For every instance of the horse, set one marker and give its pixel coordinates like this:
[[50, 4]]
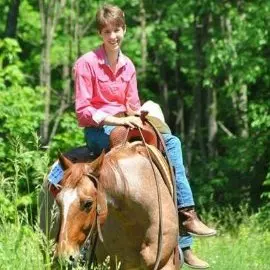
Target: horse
[[122, 194]]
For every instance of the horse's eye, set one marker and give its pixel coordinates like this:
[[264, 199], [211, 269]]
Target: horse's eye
[[87, 204]]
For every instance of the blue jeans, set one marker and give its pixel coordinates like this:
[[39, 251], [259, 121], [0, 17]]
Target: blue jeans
[[97, 139]]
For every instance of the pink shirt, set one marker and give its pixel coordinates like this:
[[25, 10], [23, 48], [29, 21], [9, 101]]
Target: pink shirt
[[99, 92]]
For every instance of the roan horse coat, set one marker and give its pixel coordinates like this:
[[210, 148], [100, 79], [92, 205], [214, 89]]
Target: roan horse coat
[[132, 226]]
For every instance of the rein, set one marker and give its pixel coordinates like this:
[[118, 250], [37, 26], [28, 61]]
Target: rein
[[160, 240], [95, 230], [160, 232], [177, 254]]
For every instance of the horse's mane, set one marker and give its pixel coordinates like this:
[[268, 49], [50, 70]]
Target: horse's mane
[[108, 171], [111, 166]]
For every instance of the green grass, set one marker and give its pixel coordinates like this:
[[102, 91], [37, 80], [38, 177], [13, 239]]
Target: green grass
[[249, 249], [19, 248]]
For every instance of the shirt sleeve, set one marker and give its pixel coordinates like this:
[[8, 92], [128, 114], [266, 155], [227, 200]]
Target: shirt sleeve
[[132, 96], [83, 94], [87, 114]]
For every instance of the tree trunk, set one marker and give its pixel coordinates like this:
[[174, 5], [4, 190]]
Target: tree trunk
[[212, 121], [198, 109], [243, 109], [163, 88], [211, 116], [66, 79], [239, 96], [12, 19], [179, 121], [142, 69], [76, 28], [49, 12], [165, 96]]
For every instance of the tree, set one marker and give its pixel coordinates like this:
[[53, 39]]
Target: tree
[[12, 18], [50, 12]]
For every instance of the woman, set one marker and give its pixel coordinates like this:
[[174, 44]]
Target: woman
[[106, 90]]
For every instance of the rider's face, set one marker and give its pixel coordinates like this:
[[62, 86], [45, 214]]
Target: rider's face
[[112, 37]]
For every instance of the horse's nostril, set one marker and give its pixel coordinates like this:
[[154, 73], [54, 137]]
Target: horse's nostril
[[71, 258], [71, 263]]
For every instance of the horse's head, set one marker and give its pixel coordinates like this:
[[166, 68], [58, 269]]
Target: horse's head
[[80, 197]]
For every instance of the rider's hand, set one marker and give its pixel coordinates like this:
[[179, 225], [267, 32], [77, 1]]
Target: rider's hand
[[132, 121]]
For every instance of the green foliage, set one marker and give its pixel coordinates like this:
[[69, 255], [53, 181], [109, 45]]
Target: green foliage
[[29, 24], [10, 65], [241, 242], [21, 110], [69, 135], [19, 248], [22, 174]]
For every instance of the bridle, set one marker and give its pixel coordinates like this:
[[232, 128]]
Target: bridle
[[100, 213]]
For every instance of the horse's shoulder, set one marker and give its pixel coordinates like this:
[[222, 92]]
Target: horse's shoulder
[[158, 159]]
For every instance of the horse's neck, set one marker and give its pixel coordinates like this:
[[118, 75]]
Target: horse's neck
[[131, 228], [127, 183]]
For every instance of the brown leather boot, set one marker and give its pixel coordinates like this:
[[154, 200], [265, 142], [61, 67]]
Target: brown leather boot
[[189, 223], [191, 260]]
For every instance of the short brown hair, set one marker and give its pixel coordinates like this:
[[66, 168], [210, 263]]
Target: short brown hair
[[109, 14]]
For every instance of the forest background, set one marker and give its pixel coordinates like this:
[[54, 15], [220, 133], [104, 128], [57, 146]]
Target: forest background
[[206, 62]]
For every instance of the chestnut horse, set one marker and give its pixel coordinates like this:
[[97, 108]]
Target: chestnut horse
[[122, 187]]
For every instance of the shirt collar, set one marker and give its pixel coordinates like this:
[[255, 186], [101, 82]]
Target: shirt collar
[[103, 60]]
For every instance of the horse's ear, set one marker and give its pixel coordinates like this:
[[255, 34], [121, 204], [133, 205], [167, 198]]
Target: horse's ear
[[65, 162], [97, 163]]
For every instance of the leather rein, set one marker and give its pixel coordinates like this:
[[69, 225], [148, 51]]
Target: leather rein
[[160, 234], [100, 217], [160, 231]]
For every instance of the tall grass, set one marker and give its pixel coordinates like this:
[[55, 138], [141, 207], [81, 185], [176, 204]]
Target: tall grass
[[19, 247], [21, 244], [242, 242], [248, 249]]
